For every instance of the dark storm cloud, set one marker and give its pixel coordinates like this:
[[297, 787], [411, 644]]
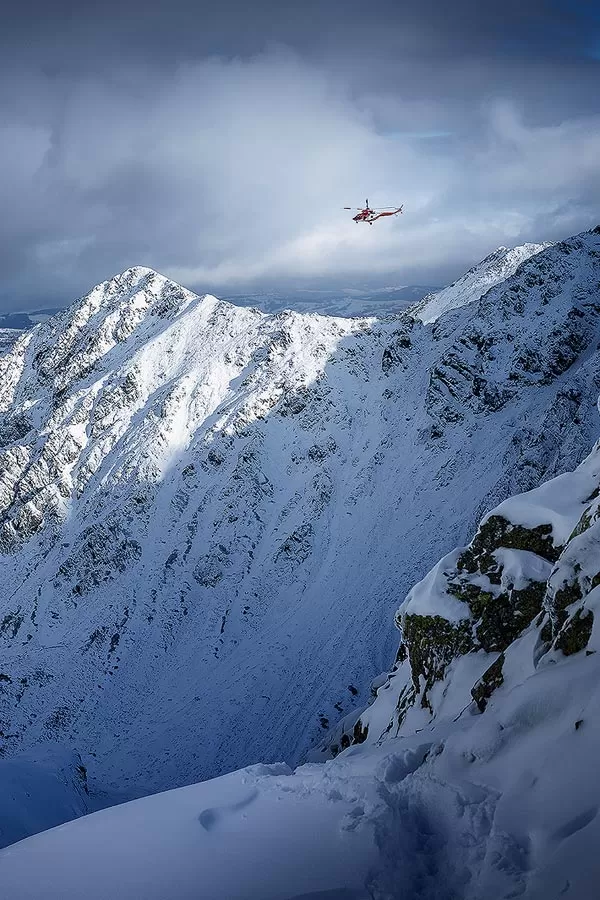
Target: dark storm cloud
[[217, 143], [167, 30]]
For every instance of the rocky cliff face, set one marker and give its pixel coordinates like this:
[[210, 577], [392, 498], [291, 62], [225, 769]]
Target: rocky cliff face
[[208, 514], [527, 577]]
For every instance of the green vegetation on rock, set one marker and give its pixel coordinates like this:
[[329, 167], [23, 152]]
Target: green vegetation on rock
[[432, 643], [575, 635], [498, 532]]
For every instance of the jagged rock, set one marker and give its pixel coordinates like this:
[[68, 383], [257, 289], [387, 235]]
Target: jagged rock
[[491, 679], [496, 532], [576, 633], [431, 644], [528, 578]]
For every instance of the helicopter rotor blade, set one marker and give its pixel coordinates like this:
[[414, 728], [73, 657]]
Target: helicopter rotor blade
[[374, 208]]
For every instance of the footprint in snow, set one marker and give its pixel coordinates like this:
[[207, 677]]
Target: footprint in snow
[[214, 817], [575, 824]]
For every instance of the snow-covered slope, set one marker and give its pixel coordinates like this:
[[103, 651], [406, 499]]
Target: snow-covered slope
[[473, 774], [498, 672], [495, 268], [39, 790], [210, 514]]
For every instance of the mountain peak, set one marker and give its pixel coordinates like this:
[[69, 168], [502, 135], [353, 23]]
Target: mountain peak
[[138, 272], [218, 510], [132, 277], [492, 269]]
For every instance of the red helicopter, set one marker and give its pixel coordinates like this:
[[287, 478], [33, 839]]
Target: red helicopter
[[371, 215]]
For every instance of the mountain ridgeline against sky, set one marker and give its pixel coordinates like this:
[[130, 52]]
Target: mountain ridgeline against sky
[[236, 520], [495, 268], [209, 514]]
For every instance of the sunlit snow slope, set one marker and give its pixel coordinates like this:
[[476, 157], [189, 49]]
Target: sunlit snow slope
[[210, 514], [492, 270]]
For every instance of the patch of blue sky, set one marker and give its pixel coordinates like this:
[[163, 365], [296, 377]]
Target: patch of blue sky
[[575, 33], [585, 20]]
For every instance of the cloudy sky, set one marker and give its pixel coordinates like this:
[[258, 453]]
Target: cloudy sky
[[217, 142]]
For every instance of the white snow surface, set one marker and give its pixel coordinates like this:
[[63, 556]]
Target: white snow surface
[[430, 598], [209, 515], [492, 270], [560, 503], [499, 805]]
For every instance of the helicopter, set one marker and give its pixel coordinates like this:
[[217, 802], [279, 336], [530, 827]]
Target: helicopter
[[371, 215]]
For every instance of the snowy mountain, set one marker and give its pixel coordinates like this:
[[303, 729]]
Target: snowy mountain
[[495, 268], [472, 774], [209, 514], [344, 302]]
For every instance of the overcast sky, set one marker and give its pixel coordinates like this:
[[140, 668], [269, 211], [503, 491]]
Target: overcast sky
[[217, 142]]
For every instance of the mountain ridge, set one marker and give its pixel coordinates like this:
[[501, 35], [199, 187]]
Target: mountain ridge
[[194, 495], [472, 771], [493, 269]]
